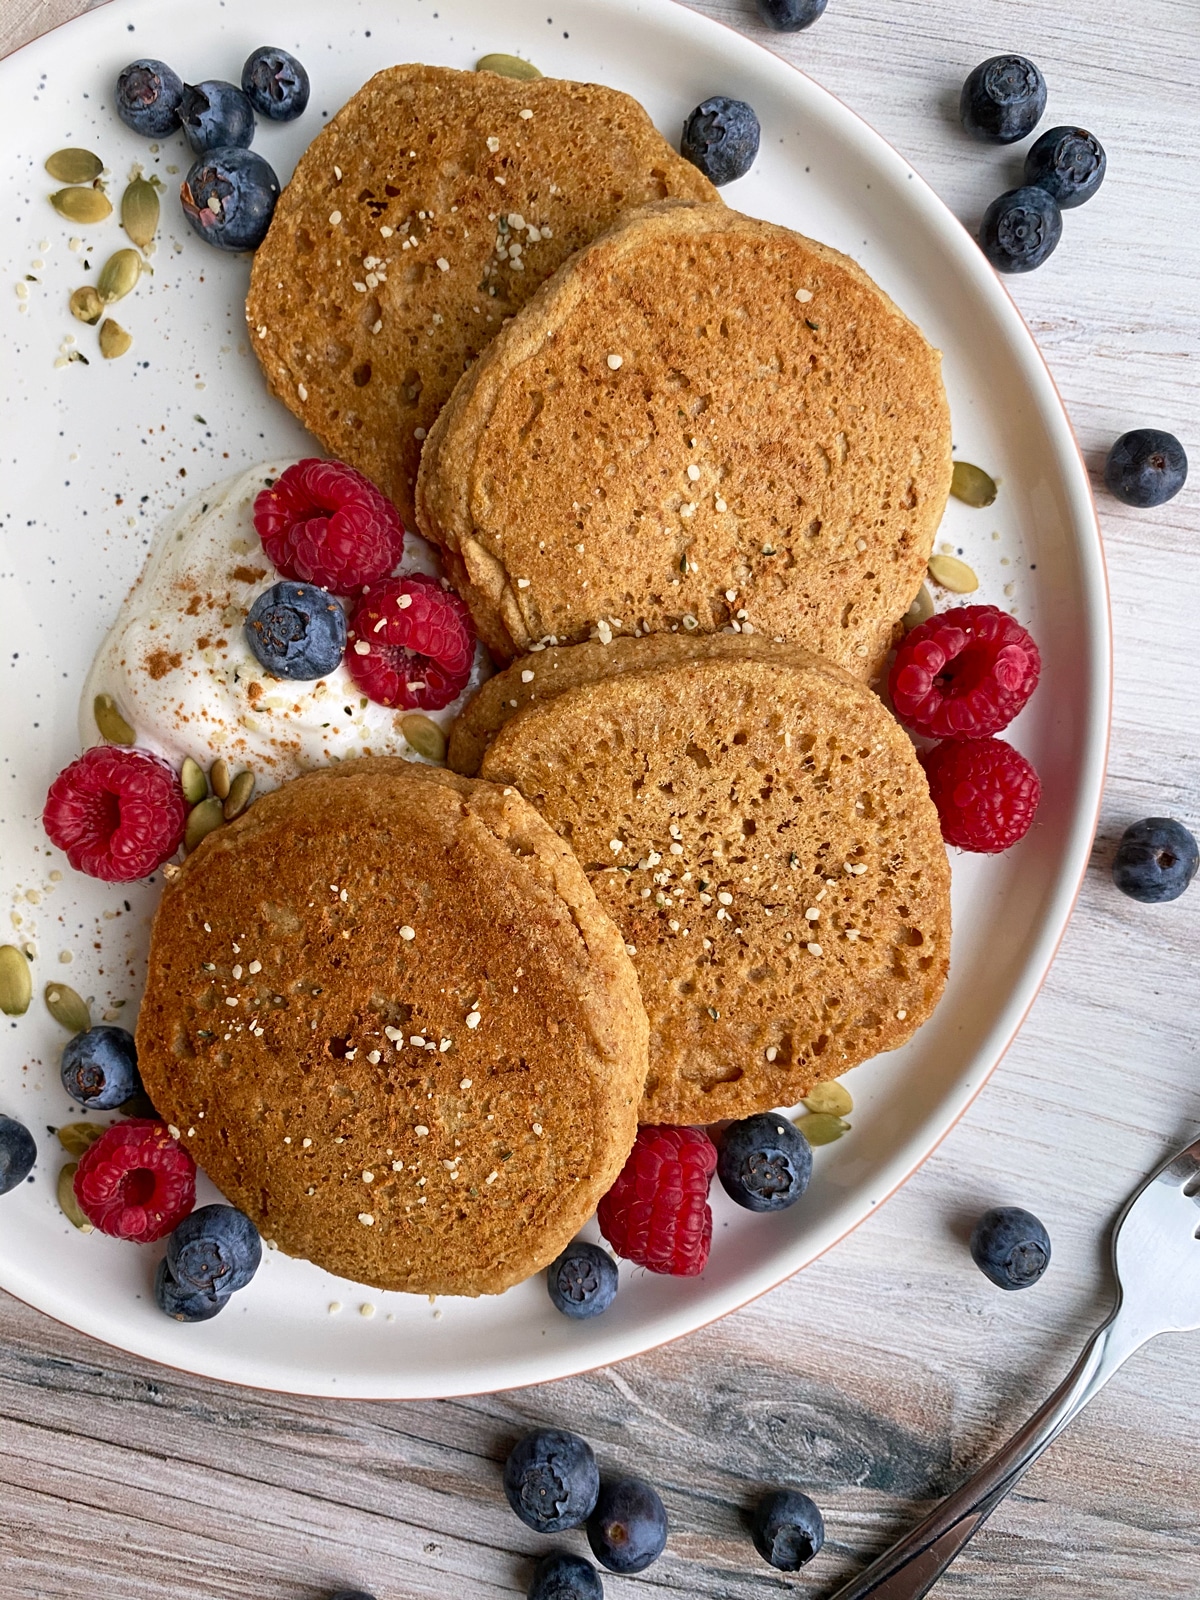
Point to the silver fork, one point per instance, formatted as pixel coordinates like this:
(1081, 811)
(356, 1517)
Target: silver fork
(1156, 1258)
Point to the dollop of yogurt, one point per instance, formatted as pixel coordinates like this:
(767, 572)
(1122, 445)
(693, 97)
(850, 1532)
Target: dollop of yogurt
(178, 666)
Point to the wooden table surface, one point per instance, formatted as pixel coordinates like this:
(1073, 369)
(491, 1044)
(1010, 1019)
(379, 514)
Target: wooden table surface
(877, 1378)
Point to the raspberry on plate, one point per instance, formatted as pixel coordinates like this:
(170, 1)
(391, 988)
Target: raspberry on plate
(324, 523)
(657, 1213)
(136, 1182)
(118, 813)
(964, 674)
(412, 644)
(986, 793)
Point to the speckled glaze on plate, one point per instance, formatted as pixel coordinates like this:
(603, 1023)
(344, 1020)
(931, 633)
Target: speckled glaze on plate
(92, 457)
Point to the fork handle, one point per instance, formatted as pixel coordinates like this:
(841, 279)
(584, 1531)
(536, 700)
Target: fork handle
(912, 1566)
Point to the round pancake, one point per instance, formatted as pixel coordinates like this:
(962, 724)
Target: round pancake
(430, 209)
(701, 419)
(393, 1025)
(762, 835)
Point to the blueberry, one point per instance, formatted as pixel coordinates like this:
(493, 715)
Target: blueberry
(148, 98)
(583, 1281)
(764, 1162)
(789, 16)
(17, 1153)
(1068, 163)
(185, 1305)
(1020, 229)
(560, 1576)
(787, 1528)
(297, 630)
(1146, 467)
(275, 83)
(214, 1251)
(721, 138)
(1155, 860)
(229, 197)
(1011, 1247)
(551, 1480)
(1002, 99)
(99, 1068)
(215, 115)
(628, 1528)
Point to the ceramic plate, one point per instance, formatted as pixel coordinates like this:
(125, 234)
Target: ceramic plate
(95, 456)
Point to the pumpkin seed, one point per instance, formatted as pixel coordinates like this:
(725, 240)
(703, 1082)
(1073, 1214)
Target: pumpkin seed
(193, 781)
(75, 1137)
(82, 205)
(202, 819)
(68, 1204)
(507, 66)
(16, 986)
(833, 1098)
(86, 305)
(67, 1007)
(821, 1128)
(139, 1104)
(139, 211)
(111, 723)
(118, 276)
(972, 485)
(423, 733)
(920, 611)
(238, 798)
(220, 777)
(948, 572)
(114, 341)
(74, 165)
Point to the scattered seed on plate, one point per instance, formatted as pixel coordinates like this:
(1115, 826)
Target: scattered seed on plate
(193, 782)
(114, 339)
(920, 611)
(74, 165)
(202, 819)
(67, 1007)
(972, 485)
(507, 66)
(241, 791)
(424, 735)
(948, 572)
(84, 205)
(139, 211)
(119, 276)
(832, 1098)
(75, 1137)
(111, 724)
(86, 305)
(220, 777)
(67, 1203)
(820, 1127)
(16, 985)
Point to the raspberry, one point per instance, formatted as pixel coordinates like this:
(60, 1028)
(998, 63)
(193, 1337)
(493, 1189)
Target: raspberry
(324, 523)
(964, 674)
(657, 1212)
(136, 1182)
(118, 813)
(985, 792)
(411, 643)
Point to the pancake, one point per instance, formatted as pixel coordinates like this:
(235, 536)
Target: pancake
(701, 419)
(395, 1028)
(428, 211)
(762, 835)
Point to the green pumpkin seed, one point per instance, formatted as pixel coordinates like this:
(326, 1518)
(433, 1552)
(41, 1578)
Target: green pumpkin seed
(68, 1204)
(423, 733)
(139, 1104)
(833, 1098)
(202, 819)
(948, 572)
(193, 781)
(507, 66)
(238, 798)
(118, 276)
(114, 341)
(139, 211)
(75, 1137)
(821, 1128)
(972, 485)
(111, 723)
(74, 165)
(920, 611)
(67, 1007)
(220, 777)
(82, 205)
(16, 986)
(86, 305)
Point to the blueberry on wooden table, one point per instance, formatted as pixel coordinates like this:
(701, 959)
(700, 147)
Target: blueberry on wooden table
(275, 83)
(789, 16)
(721, 138)
(787, 1528)
(1146, 467)
(551, 1480)
(215, 114)
(1155, 860)
(1069, 163)
(1011, 1247)
(1020, 229)
(148, 97)
(560, 1576)
(628, 1529)
(1002, 99)
(18, 1152)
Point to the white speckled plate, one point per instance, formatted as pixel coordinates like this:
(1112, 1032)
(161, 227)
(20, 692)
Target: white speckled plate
(91, 457)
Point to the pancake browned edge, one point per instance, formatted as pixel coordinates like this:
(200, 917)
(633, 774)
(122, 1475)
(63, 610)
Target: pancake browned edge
(701, 419)
(762, 834)
(394, 1026)
(428, 211)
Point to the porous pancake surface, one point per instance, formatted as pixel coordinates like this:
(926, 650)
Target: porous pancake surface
(701, 419)
(393, 1025)
(431, 208)
(762, 834)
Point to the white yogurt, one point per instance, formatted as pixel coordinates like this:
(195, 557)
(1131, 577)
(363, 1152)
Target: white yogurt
(178, 666)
